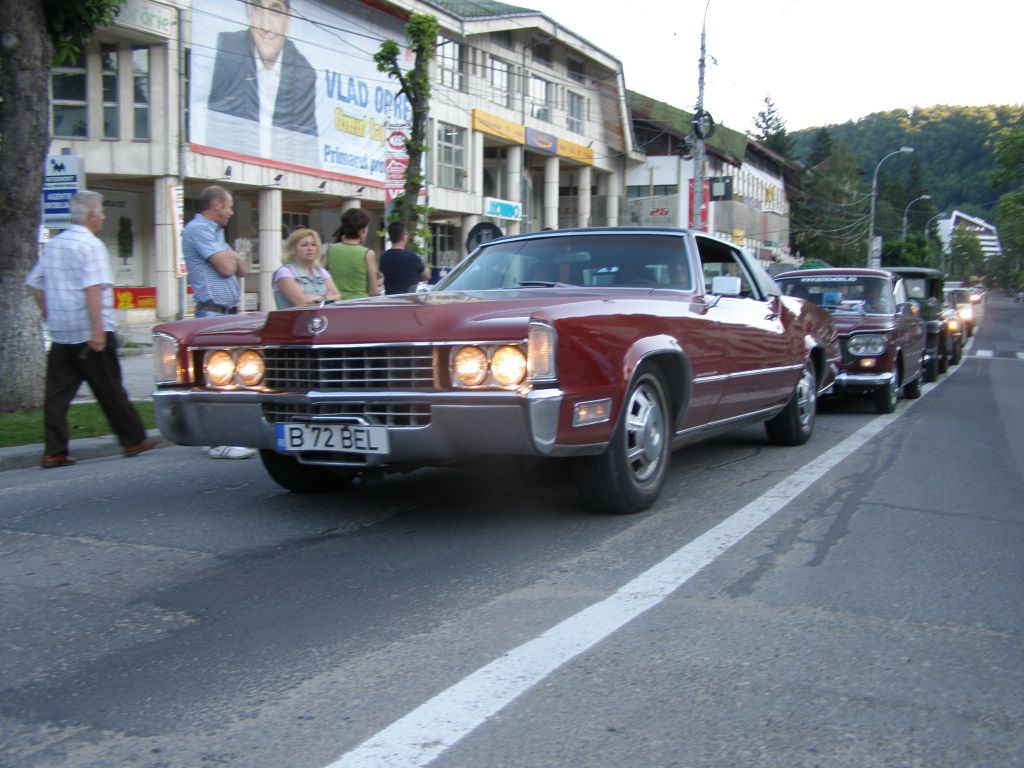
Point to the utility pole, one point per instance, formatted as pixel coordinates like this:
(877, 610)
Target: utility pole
(700, 130)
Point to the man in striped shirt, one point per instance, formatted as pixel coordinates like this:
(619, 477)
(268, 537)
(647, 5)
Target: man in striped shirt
(73, 287)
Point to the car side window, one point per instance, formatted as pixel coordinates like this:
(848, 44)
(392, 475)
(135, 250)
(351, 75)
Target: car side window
(717, 258)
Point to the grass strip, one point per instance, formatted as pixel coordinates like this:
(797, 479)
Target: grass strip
(84, 420)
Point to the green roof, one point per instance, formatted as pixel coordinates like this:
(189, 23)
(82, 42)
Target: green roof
(725, 140)
(472, 9)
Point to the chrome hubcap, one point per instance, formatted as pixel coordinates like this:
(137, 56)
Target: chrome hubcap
(645, 432)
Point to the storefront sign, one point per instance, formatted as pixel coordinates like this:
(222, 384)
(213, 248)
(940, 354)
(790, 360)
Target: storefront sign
(499, 127)
(575, 152)
(502, 209)
(62, 177)
(147, 16)
(544, 142)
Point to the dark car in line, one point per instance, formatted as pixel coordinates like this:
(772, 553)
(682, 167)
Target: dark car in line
(946, 336)
(605, 348)
(880, 330)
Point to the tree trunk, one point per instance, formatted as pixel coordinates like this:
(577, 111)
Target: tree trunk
(26, 54)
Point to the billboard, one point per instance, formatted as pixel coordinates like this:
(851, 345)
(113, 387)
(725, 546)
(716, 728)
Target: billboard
(294, 84)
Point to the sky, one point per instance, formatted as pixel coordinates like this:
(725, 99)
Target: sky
(820, 61)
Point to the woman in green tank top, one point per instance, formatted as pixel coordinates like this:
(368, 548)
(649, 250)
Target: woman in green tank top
(352, 265)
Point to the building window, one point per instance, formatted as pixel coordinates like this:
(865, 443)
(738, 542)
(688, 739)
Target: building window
(292, 221)
(504, 39)
(542, 53)
(140, 89)
(111, 118)
(451, 63)
(647, 190)
(577, 70)
(575, 106)
(501, 84)
(70, 113)
(444, 246)
(540, 98)
(451, 156)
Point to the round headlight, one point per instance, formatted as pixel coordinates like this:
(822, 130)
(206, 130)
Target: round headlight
(220, 368)
(470, 366)
(508, 366)
(249, 368)
(867, 344)
(965, 312)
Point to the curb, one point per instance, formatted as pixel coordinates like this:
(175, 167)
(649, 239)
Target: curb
(26, 456)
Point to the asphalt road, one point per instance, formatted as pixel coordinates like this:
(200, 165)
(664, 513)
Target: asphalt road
(851, 602)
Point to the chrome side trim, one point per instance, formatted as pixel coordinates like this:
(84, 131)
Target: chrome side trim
(717, 377)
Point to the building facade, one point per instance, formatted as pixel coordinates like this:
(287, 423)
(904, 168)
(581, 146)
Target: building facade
(530, 127)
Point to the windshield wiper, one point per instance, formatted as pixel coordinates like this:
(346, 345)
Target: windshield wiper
(544, 284)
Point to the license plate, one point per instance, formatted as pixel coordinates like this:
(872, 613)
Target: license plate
(346, 438)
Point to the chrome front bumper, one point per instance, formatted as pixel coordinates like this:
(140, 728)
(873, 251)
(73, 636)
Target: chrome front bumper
(460, 424)
(862, 382)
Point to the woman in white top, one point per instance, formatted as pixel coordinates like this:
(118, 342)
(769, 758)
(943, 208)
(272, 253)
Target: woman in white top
(301, 280)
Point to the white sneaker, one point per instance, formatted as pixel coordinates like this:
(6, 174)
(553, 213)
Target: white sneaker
(231, 452)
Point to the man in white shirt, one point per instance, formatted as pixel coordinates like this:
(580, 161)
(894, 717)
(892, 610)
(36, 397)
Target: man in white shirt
(73, 287)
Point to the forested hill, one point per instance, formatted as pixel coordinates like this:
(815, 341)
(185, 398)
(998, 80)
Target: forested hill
(952, 145)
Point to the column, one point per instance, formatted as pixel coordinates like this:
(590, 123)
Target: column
(583, 196)
(476, 169)
(514, 183)
(269, 247)
(551, 192)
(351, 202)
(166, 243)
(614, 190)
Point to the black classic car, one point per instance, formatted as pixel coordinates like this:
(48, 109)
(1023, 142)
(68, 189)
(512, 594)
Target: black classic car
(946, 333)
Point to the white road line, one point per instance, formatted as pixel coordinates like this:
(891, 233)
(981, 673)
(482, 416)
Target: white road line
(428, 731)
(1020, 355)
(984, 353)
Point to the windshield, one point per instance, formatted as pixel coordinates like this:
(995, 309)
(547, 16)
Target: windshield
(842, 293)
(591, 260)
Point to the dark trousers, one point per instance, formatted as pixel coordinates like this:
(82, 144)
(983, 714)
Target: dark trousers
(67, 366)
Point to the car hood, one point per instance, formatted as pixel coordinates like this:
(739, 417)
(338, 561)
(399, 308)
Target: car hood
(849, 322)
(434, 316)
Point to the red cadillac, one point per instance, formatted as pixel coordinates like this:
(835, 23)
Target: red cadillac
(603, 347)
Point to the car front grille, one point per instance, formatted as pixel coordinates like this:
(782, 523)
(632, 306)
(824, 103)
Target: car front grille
(299, 369)
(379, 414)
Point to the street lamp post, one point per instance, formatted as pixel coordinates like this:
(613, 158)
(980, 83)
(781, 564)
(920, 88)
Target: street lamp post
(907, 210)
(874, 195)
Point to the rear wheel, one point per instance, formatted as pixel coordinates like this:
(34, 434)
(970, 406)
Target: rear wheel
(957, 354)
(946, 348)
(629, 475)
(795, 423)
(930, 370)
(303, 478)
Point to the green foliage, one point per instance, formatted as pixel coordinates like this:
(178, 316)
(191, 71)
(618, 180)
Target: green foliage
(421, 31)
(955, 147)
(771, 129)
(70, 24)
(966, 258)
(828, 219)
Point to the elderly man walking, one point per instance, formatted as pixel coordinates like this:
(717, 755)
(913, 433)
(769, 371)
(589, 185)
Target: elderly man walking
(73, 287)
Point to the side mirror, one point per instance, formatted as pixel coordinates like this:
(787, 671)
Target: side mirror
(726, 285)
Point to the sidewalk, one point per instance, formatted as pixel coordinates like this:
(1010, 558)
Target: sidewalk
(137, 375)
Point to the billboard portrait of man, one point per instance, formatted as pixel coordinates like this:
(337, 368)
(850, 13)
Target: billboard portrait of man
(263, 91)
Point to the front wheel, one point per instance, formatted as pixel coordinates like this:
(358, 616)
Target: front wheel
(629, 475)
(958, 352)
(303, 478)
(912, 389)
(886, 397)
(795, 423)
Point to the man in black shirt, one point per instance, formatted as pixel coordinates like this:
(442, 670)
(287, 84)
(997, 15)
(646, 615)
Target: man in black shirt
(402, 268)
